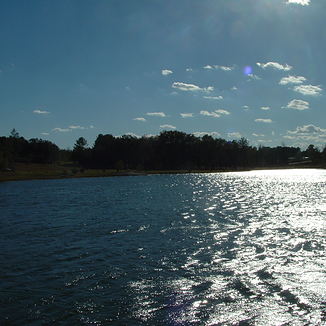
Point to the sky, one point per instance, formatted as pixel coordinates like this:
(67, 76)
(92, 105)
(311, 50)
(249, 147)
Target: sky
(227, 68)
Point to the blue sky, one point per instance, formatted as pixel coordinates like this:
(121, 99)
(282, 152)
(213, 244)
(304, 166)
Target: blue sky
(230, 68)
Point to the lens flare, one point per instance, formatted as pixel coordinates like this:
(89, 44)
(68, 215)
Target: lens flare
(247, 70)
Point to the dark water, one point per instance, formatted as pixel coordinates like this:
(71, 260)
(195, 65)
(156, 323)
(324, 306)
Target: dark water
(200, 249)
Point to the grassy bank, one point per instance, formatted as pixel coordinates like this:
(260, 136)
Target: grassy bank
(31, 171)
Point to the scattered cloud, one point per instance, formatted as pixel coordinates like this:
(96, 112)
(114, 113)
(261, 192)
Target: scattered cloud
(265, 108)
(234, 88)
(253, 77)
(234, 135)
(297, 105)
(71, 128)
(191, 88)
(41, 112)
(210, 114)
(274, 65)
(156, 114)
(61, 129)
(45, 133)
(226, 68)
(307, 133)
(307, 129)
(166, 72)
(308, 89)
(140, 119)
(245, 107)
(167, 127)
(222, 111)
(300, 2)
(131, 134)
(187, 115)
(76, 127)
(149, 135)
(189, 69)
(205, 133)
(264, 141)
(213, 97)
(292, 80)
(258, 135)
(215, 113)
(264, 120)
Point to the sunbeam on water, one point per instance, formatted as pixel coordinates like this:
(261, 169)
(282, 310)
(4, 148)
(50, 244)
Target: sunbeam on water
(243, 248)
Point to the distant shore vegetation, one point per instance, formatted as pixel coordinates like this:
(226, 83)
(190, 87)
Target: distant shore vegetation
(170, 150)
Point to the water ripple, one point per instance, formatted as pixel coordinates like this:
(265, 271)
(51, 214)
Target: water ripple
(243, 248)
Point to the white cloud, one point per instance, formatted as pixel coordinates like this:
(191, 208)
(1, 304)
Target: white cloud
(91, 127)
(221, 111)
(308, 89)
(41, 112)
(204, 133)
(297, 105)
(264, 141)
(166, 72)
(300, 2)
(76, 127)
(156, 114)
(253, 77)
(245, 107)
(187, 115)
(215, 113)
(265, 108)
(210, 114)
(167, 127)
(189, 69)
(140, 119)
(61, 129)
(307, 129)
(274, 65)
(234, 135)
(264, 120)
(308, 134)
(131, 134)
(45, 133)
(292, 80)
(213, 97)
(258, 135)
(191, 88)
(149, 135)
(225, 68)
(234, 88)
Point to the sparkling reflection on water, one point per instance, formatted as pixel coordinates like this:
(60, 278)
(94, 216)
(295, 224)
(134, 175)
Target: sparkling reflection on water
(243, 248)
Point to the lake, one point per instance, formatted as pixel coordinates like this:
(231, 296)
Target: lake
(245, 248)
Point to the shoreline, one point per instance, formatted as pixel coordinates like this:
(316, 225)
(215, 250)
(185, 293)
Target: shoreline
(32, 172)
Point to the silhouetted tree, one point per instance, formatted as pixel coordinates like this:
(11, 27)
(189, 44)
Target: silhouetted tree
(14, 133)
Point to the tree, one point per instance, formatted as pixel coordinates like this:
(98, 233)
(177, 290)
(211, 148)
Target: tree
(14, 133)
(313, 153)
(79, 152)
(80, 144)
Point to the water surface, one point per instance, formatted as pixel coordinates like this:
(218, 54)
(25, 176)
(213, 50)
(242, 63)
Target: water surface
(243, 248)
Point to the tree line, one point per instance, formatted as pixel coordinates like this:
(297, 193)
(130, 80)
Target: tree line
(170, 150)
(175, 150)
